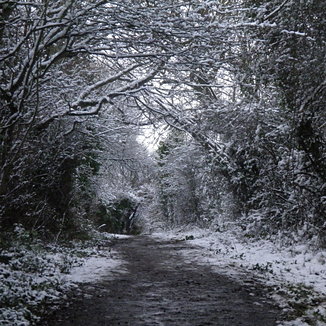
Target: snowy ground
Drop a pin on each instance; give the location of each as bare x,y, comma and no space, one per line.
296,275
34,278
93,268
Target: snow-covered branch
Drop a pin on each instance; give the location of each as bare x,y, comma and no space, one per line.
134,86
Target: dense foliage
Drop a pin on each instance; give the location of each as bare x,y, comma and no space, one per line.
241,85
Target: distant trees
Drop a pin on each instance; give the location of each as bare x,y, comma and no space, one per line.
191,190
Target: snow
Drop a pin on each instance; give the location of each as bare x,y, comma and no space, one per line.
295,264
297,269
118,236
297,322
36,277
95,268
105,264
42,277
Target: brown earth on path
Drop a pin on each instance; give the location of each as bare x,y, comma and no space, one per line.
160,288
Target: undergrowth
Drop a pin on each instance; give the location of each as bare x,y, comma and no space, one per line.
31,275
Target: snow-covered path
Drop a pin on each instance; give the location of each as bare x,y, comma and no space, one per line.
160,287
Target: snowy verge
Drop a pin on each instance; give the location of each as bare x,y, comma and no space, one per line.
104,263
35,277
295,275
93,269
96,268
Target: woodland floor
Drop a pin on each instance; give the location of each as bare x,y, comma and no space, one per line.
158,287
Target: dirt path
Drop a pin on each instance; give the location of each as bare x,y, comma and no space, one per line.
160,288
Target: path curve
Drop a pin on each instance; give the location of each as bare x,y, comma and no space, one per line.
160,288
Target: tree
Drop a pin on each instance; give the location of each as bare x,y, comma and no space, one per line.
51,77
232,78
289,42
